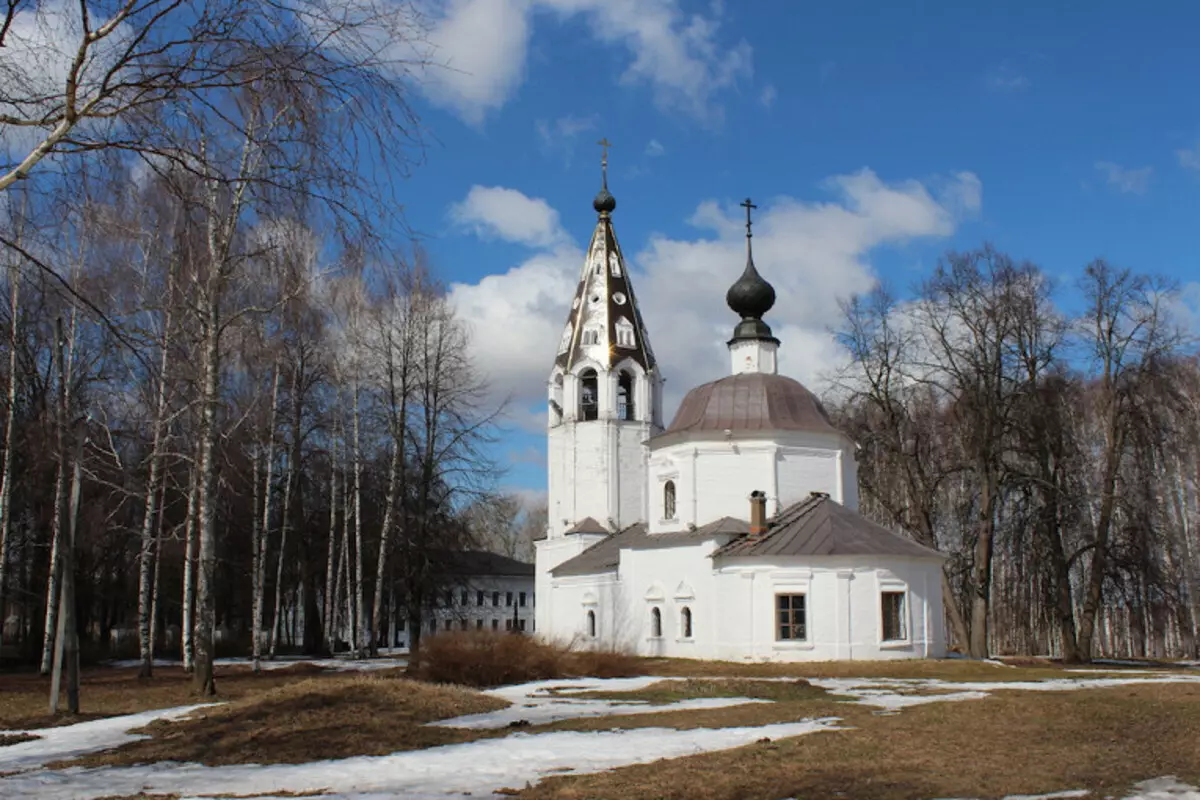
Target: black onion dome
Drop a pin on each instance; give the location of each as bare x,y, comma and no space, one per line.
750,297
604,203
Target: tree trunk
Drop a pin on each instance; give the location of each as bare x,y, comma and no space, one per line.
981,578
147,556
262,531
60,493
385,539
1094,591
293,476
359,604
188,613
14,277
329,615
203,681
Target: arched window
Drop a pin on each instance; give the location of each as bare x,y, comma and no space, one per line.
591,336
625,396
591,624
655,622
624,332
589,407
685,622
669,500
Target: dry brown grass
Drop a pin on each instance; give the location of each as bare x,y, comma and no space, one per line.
109,691
484,658
16,738
1011,743
308,721
672,691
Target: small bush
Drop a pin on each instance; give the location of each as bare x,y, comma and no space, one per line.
484,658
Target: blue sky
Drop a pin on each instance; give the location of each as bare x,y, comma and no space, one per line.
873,136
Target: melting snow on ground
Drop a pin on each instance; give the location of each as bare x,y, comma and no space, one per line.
549,701
334,664
1165,788
479,768
474,769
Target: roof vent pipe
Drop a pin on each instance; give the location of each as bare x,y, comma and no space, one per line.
758,513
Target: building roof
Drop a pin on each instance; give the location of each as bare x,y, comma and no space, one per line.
751,401
818,526
478,563
604,306
587,525
605,555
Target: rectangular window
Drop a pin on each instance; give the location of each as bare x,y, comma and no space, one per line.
478,624
463,597
479,598
895,618
508,624
449,622
495,599
508,599
462,624
495,624
790,618
521,624
521,600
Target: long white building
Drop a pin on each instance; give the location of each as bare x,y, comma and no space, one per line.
730,533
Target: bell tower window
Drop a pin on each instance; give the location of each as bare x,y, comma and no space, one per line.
589,401
624,331
625,407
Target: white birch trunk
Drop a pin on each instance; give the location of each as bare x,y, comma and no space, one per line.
329,608
147,557
262,530
359,605
14,277
189,574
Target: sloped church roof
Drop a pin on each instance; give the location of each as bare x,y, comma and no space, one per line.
815,526
605,323
751,401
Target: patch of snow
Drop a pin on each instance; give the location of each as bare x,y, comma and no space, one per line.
472,769
894,693
542,702
1165,788
334,664
69,741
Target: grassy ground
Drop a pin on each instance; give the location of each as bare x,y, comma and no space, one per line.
107,692
1011,743
310,720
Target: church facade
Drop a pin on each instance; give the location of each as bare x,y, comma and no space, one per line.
732,532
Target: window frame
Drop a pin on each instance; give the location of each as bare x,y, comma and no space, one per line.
902,619
779,610
656,626
686,621
670,500
590,623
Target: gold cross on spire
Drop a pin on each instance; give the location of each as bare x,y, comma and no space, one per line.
605,144
746,204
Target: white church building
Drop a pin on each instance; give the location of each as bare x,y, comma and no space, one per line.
732,533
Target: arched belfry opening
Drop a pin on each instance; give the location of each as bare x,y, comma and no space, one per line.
589,395
626,410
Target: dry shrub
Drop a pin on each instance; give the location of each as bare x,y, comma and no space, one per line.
484,658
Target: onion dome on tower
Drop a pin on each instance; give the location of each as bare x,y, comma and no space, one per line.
751,297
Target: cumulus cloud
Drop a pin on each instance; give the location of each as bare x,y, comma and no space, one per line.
814,253
1125,181
483,45
497,212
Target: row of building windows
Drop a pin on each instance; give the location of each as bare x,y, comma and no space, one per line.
481,598
462,625
791,618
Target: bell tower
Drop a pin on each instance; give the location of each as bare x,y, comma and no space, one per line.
605,393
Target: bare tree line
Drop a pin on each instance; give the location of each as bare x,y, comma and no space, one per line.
1054,454
262,385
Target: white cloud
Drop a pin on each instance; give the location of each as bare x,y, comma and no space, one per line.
484,44
1189,157
1126,181
813,252
1005,77
654,148
767,96
494,211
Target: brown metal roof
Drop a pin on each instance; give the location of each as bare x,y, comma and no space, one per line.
818,526
751,401
587,525
605,555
